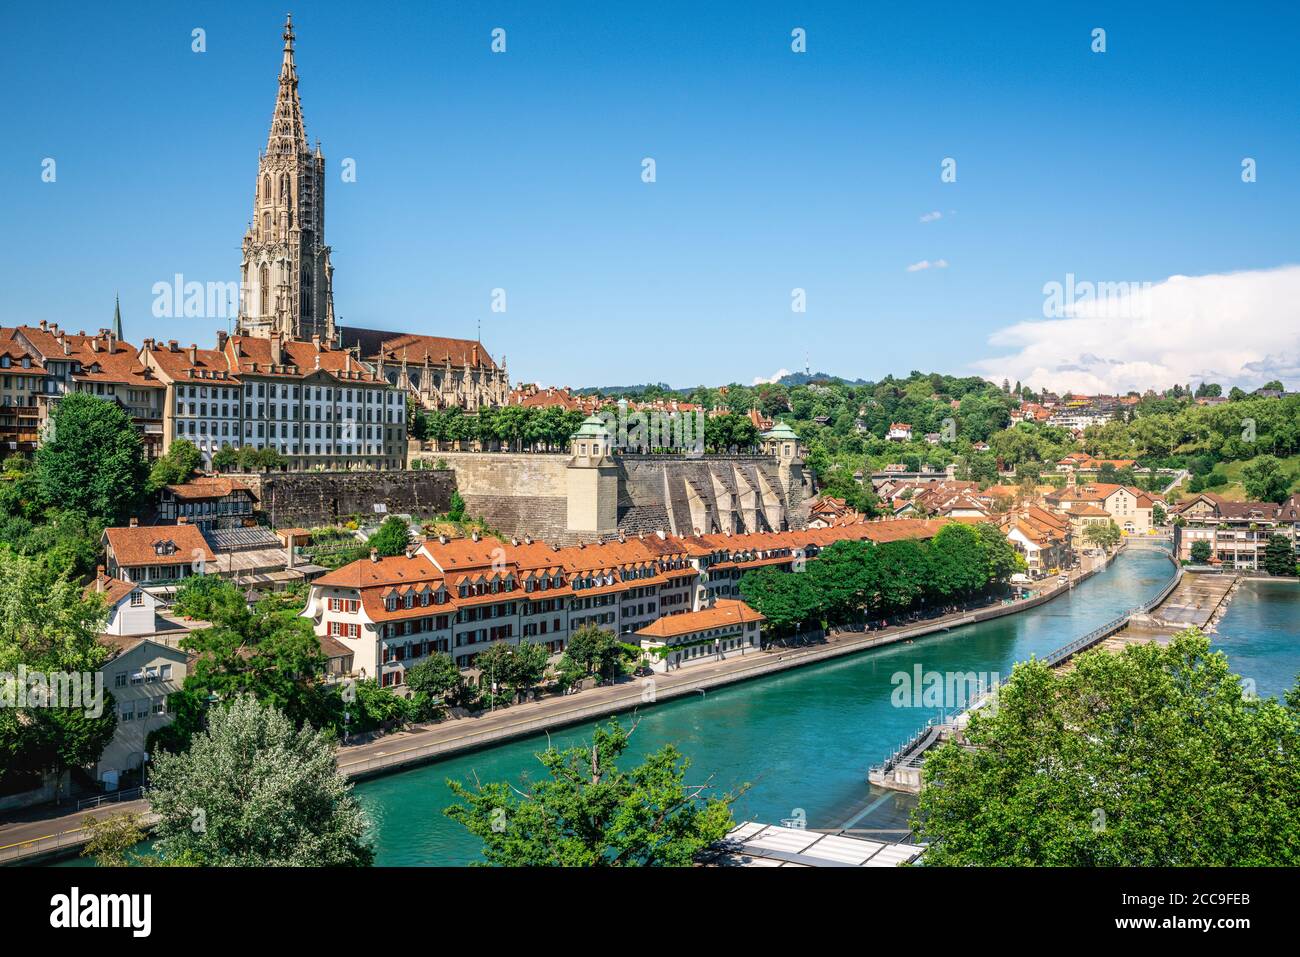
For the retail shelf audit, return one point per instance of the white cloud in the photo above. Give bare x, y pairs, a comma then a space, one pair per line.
926, 264
931, 217
780, 374
1235, 329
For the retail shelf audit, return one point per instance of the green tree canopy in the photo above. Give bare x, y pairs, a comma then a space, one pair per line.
177, 466
1150, 757
92, 459
589, 813
253, 791
392, 538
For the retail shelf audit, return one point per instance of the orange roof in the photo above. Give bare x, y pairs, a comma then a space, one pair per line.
207, 486
112, 589
136, 546
725, 611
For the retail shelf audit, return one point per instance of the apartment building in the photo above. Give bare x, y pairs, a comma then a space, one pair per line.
318, 406
22, 382
1130, 508
49, 363
461, 596
1238, 532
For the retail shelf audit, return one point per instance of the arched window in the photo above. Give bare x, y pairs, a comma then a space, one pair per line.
266, 189
264, 287
305, 305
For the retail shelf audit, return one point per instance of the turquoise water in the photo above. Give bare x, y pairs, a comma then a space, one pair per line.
1260, 634
802, 740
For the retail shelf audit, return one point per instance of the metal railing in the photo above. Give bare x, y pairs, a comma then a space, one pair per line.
1061, 654
112, 797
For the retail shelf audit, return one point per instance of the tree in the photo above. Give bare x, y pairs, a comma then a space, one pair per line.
92, 458
267, 651
112, 838
589, 813
254, 792
456, 509
591, 649
392, 538
48, 627
956, 562
1279, 556
437, 676
517, 667
786, 599
209, 598
1156, 757
226, 459
1001, 560
1201, 551
1158, 514
1265, 480
177, 466
1103, 534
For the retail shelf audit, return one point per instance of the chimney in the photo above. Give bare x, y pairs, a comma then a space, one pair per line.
410, 550
194, 353
135, 522
514, 541
182, 520
99, 577
288, 544
172, 346
315, 341
374, 554
45, 326
528, 539
67, 348
474, 535
94, 345
221, 340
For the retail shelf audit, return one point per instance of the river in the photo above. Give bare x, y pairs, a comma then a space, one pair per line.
802, 740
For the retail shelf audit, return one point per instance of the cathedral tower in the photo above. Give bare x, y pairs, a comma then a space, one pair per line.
286, 276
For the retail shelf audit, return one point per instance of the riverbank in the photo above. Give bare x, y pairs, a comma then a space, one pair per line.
419, 745
61, 836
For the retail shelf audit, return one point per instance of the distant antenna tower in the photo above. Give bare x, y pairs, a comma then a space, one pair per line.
807, 364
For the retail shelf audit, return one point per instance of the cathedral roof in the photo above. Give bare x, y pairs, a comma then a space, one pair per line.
392, 346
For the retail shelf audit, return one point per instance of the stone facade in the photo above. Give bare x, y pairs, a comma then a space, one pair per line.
286, 277
321, 498
546, 495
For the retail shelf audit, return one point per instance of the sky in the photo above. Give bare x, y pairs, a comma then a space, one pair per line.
774, 171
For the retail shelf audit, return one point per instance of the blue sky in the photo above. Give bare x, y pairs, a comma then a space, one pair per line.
775, 170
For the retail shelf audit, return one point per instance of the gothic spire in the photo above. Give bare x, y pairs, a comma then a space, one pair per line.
288, 132
117, 318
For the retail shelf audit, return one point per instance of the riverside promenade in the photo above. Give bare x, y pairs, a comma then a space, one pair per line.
46, 833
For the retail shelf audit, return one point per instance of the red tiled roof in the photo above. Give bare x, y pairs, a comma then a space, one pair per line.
725, 611
132, 547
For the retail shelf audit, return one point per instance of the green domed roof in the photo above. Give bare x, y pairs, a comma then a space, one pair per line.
593, 427
780, 432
